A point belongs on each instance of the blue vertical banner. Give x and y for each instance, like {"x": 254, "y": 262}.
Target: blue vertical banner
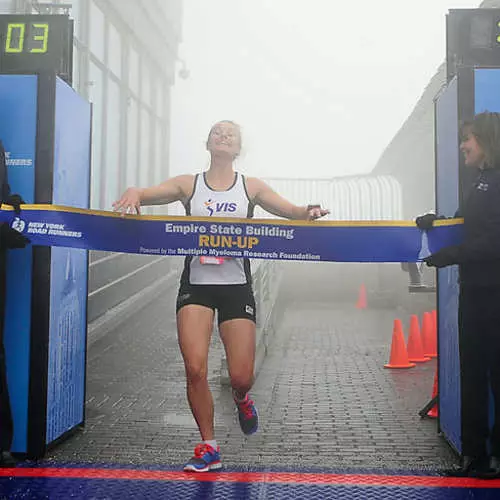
{"x": 18, "y": 111}
{"x": 68, "y": 269}
{"x": 487, "y": 98}
{"x": 447, "y": 201}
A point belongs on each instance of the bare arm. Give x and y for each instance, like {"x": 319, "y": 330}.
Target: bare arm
{"x": 175, "y": 189}
{"x": 263, "y": 195}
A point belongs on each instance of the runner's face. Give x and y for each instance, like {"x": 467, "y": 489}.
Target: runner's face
{"x": 224, "y": 139}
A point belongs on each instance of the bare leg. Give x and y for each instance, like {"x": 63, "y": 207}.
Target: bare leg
{"x": 194, "y": 325}
{"x": 238, "y": 336}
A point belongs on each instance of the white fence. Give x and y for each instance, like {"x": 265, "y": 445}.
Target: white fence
{"x": 347, "y": 198}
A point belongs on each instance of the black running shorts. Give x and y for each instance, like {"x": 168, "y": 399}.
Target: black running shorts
{"x": 230, "y": 301}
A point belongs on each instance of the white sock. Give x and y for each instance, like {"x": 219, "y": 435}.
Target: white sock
{"x": 212, "y": 443}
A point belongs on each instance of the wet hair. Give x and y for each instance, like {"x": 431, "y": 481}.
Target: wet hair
{"x": 485, "y": 127}
{"x": 238, "y": 128}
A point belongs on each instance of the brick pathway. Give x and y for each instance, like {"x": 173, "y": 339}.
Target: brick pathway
{"x": 324, "y": 398}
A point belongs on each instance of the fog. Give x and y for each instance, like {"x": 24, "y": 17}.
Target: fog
{"x": 318, "y": 87}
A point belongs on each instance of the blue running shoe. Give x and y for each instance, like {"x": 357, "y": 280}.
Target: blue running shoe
{"x": 247, "y": 414}
{"x": 205, "y": 459}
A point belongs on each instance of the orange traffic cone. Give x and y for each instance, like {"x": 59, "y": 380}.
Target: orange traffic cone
{"x": 433, "y": 412}
{"x": 399, "y": 354}
{"x": 428, "y": 337}
{"x": 361, "y": 304}
{"x": 434, "y": 327}
{"x": 415, "y": 346}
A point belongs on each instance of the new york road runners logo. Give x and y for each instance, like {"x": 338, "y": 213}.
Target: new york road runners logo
{"x": 18, "y": 225}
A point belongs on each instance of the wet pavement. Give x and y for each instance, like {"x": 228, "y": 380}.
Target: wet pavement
{"x": 324, "y": 397}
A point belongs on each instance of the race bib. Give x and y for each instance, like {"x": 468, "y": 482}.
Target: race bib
{"x": 210, "y": 260}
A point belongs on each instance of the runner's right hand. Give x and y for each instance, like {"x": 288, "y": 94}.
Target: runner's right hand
{"x": 129, "y": 202}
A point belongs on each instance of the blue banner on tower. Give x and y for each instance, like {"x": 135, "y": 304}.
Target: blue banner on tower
{"x": 18, "y": 105}
{"x": 447, "y": 189}
{"x": 68, "y": 269}
{"x": 487, "y": 98}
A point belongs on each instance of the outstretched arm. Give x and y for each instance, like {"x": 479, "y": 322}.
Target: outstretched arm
{"x": 175, "y": 189}
{"x": 263, "y": 195}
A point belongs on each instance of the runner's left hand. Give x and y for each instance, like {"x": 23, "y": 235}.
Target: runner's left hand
{"x": 316, "y": 212}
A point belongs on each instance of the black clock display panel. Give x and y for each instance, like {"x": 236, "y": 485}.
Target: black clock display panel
{"x": 35, "y": 43}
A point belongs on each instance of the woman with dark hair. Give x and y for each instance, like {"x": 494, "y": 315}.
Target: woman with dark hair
{"x": 212, "y": 283}
{"x": 478, "y": 258}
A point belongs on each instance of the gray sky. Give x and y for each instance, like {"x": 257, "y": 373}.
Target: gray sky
{"x": 319, "y": 87}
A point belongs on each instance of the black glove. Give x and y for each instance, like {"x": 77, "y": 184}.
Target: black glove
{"x": 10, "y": 238}
{"x": 15, "y": 201}
{"x": 438, "y": 259}
{"x": 426, "y": 221}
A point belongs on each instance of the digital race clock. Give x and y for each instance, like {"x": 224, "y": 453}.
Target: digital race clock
{"x": 36, "y": 43}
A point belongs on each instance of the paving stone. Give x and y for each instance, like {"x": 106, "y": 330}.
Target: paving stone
{"x": 323, "y": 395}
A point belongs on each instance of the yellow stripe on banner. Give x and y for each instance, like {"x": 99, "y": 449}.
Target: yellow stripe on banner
{"x": 448, "y": 222}
{"x": 269, "y": 222}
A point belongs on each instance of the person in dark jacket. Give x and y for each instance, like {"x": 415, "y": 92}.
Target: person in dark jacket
{"x": 478, "y": 258}
{"x": 9, "y": 239}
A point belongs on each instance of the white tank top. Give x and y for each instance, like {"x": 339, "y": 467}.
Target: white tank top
{"x": 206, "y": 202}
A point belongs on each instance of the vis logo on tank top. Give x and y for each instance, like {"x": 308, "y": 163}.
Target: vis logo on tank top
{"x": 220, "y": 208}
